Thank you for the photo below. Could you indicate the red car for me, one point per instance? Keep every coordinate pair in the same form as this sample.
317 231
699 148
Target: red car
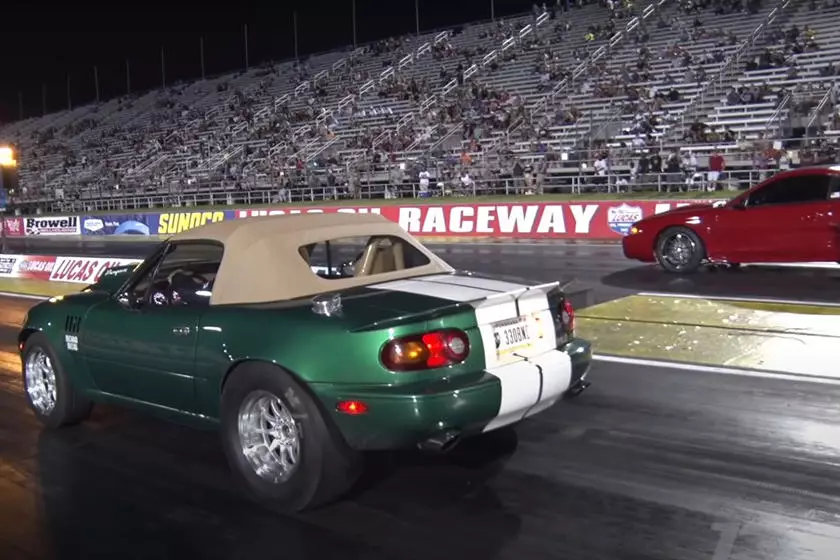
792 217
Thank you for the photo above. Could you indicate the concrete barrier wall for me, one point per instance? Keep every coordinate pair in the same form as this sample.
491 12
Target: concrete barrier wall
607 220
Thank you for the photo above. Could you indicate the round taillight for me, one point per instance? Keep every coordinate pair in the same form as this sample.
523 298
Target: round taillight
426 351
567 317
456 345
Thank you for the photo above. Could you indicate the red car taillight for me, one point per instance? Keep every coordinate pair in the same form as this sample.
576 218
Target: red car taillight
426 351
567 316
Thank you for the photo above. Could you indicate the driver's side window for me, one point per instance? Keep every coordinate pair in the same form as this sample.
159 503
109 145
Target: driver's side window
799 189
183 276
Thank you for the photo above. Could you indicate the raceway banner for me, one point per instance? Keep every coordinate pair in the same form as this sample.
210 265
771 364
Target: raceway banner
78 270
601 220
166 223
563 220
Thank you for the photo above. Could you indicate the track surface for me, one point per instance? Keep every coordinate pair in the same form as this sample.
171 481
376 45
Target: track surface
601 268
652 463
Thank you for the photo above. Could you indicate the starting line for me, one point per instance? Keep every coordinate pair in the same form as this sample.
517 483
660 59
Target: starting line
23 296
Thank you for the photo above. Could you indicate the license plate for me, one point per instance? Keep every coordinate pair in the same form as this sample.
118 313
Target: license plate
512 336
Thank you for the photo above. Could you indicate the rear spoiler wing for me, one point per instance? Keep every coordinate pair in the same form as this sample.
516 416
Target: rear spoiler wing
457 306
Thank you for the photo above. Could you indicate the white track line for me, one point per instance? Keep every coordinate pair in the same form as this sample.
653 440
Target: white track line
816 264
699 368
664 364
816 303
22 296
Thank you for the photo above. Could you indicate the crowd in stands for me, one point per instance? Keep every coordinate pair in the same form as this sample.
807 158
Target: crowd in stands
578 94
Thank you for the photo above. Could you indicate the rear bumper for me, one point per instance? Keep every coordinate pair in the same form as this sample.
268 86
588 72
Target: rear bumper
580 352
407 415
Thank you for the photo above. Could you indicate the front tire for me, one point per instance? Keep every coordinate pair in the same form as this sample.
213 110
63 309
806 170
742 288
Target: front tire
679 250
280 447
48 388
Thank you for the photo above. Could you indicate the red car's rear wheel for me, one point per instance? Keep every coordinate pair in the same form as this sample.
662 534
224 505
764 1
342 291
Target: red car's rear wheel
679 250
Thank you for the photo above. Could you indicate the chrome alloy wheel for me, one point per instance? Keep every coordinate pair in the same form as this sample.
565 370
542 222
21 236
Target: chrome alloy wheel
269 436
40 381
678 250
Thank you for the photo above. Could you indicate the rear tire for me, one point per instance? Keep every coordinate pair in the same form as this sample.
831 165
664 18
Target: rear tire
48 388
288 457
679 250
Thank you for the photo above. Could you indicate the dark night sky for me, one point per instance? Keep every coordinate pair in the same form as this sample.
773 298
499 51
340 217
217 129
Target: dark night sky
43 43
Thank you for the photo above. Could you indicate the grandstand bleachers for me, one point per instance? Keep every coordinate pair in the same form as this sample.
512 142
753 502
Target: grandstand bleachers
547 89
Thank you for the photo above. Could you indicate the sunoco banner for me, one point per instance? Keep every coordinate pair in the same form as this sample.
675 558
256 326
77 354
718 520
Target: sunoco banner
170 223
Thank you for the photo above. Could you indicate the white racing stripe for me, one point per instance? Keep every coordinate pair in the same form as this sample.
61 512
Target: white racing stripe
520 392
473 282
443 291
529 385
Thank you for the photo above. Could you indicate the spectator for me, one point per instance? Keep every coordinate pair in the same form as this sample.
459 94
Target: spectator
717 164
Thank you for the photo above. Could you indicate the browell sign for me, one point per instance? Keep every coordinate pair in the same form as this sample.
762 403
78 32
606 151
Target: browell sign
52 225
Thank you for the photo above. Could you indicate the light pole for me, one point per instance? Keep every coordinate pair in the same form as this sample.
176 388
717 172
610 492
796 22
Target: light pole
7 160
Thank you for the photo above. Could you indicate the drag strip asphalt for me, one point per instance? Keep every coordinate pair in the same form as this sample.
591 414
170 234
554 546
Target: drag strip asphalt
650 462
655 460
599 268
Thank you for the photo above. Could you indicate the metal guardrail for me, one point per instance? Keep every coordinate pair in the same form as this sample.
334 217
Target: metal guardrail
712 87
385 75
777 114
563 88
219 195
438 97
214 161
818 110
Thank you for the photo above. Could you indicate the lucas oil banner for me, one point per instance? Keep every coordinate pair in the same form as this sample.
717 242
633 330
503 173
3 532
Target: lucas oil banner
165 224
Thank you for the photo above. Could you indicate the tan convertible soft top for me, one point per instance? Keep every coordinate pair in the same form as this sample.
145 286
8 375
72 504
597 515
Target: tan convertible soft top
262 260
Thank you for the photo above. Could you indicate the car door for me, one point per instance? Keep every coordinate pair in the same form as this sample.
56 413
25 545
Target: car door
834 219
140 344
785 220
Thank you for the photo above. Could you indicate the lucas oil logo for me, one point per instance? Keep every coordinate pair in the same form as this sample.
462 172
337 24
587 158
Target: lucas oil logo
621 218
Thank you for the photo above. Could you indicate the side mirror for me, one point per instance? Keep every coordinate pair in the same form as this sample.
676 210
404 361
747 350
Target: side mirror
124 299
739 205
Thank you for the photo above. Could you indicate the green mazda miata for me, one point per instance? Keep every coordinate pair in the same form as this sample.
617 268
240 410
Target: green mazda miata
305 340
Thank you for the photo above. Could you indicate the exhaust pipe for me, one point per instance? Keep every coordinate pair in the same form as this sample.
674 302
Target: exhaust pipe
578 388
441 442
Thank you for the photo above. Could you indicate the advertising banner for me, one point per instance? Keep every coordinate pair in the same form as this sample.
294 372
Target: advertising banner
51 225
84 270
31 267
80 270
170 223
166 223
13 227
562 220
123 224
7 265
